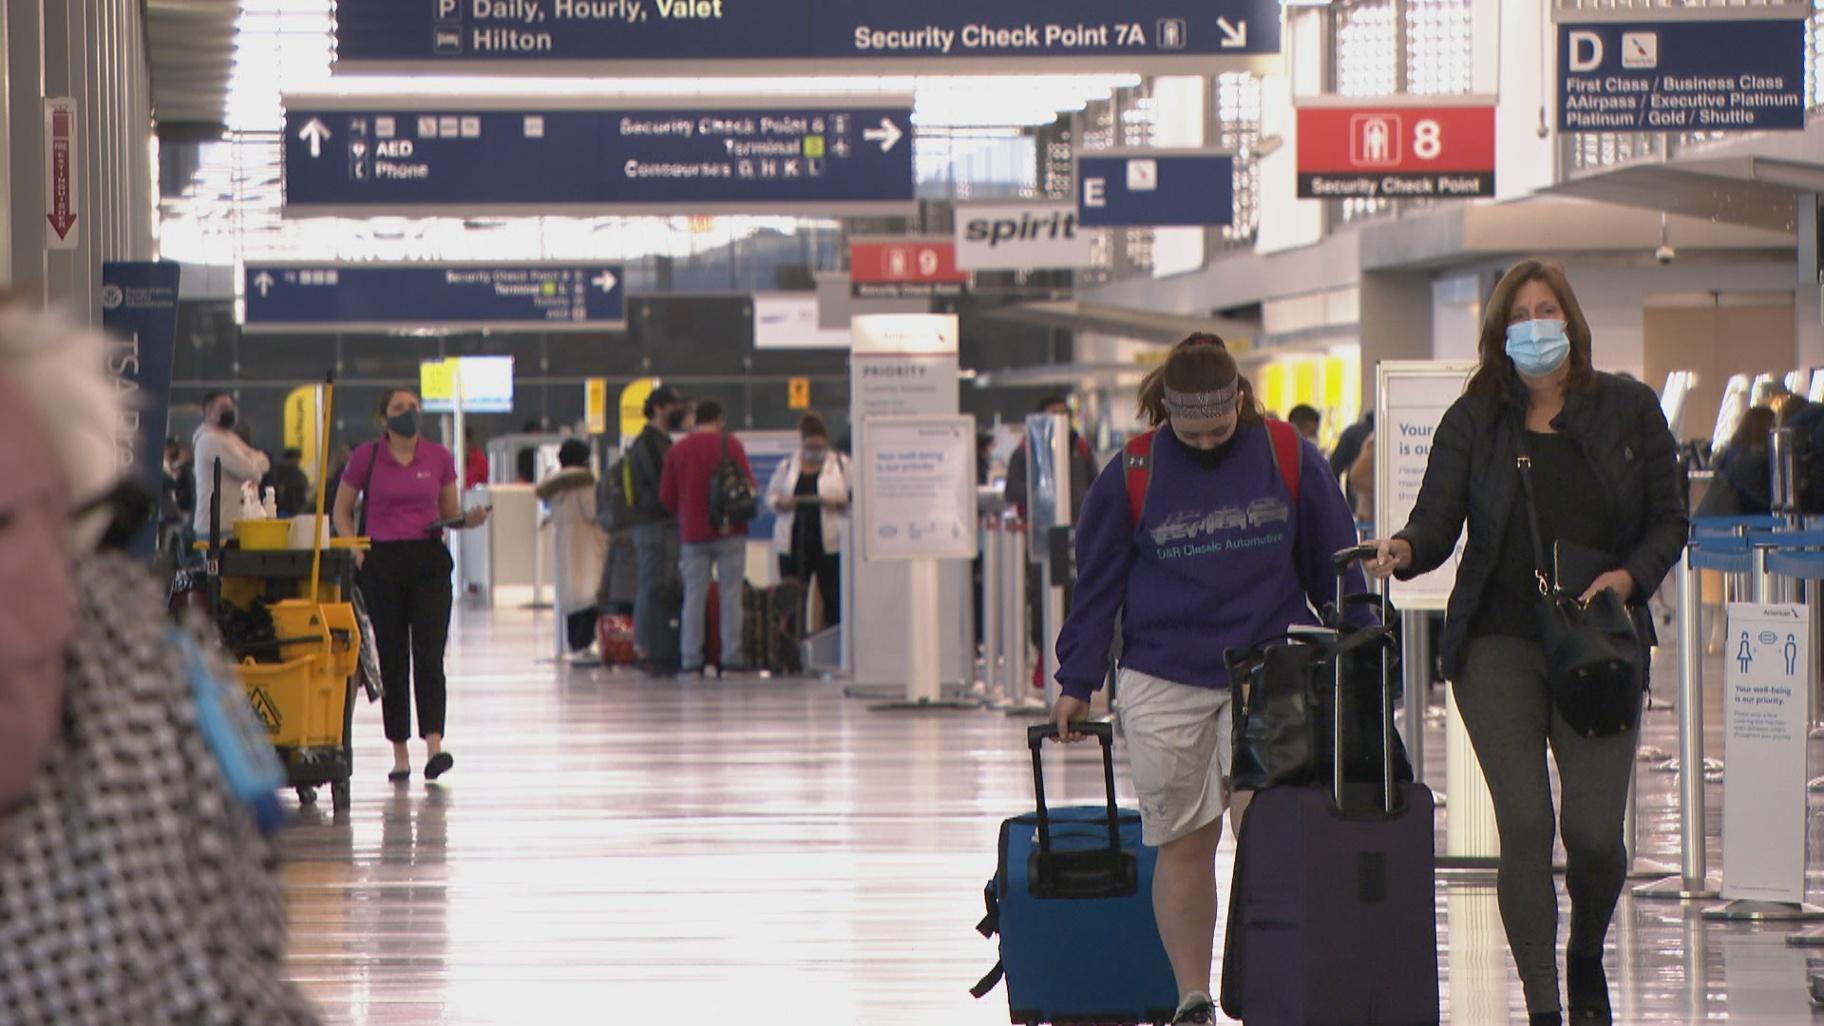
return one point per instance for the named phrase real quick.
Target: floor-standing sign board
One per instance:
(1411, 397)
(1684, 69)
(825, 156)
(804, 37)
(139, 312)
(1155, 188)
(1768, 669)
(384, 297)
(920, 479)
(1400, 147)
(902, 365)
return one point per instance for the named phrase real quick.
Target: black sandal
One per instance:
(440, 764)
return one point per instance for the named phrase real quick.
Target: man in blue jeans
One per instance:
(655, 530)
(684, 488)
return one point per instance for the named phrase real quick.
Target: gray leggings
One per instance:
(1508, 713)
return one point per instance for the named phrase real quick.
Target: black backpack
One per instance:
(614, 502)
(1808, 457)
(731, 496)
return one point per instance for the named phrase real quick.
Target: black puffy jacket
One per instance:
(1471, 475)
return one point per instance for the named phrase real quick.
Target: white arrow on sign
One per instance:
(606, 281)
(263, 282)
(315, 132)
(887, 135)
(1233, 36)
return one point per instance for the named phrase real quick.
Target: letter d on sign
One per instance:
(1095, 192)
(1586, 51)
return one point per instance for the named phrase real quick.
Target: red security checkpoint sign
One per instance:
(1397, 149)
(904, 268)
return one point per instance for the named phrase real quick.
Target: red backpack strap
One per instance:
(1137, 461)
(1288, 449)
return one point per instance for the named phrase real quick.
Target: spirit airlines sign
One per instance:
(1397, 150)
(806, 37)
(1019, 237)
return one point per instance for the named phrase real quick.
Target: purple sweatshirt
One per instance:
(1219, 561)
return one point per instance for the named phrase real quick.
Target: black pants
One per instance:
(407, 588)
(826, 568)
(580, 626)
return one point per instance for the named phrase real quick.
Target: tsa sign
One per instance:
(1395, 149)
(1691, 69)
(905, 268)
(1155, 189)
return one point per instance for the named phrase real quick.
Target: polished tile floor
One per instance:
(616, 850)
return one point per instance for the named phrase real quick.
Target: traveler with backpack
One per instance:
(1214, 531)
(655, 529)
(1568, 479)
(709, 487)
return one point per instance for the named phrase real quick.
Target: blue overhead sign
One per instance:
(392, 297)
(1155, 189)
(1692, 69)
(711, 37)
(416, 156)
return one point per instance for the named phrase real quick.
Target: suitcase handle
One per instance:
(1036, 736)
(1343, 561)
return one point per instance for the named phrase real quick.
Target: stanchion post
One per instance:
(992, 539)
(1415, 642)
(1693, 883)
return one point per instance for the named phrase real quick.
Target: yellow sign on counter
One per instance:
(633, 407)
(301, 428)
(595, 405)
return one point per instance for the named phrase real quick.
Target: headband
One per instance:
(1203, 405)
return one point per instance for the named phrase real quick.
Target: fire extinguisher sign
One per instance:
(1397, 149)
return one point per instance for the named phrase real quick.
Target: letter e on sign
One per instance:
(1095, 192)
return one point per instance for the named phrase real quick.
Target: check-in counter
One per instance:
(503, 553)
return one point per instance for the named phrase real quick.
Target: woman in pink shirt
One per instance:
(408, 488)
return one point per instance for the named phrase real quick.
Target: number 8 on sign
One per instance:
(1427, 140)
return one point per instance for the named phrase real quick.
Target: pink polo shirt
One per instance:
(402, 500)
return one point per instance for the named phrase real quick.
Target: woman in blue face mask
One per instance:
(1606, 486)
(406, 486)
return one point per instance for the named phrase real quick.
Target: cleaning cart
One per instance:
(300, 675)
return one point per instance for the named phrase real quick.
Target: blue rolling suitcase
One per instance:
(1074, 888)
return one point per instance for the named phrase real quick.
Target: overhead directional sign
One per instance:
(415, 155)
(898, 268)
(1397, 147)
(1690, 69)
(391, 297)
(744, 37)
(1155, 188)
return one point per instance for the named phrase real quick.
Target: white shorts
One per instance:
(1179, 746)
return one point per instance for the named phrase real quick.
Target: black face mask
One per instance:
(225, 419)
(405, 425)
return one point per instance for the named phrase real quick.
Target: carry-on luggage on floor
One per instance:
(1332, 917)
(614, 636)
(668, 629)
(1072, 900)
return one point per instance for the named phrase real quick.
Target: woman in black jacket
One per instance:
(1605, 468)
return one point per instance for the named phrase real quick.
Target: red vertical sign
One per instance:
(60, 171)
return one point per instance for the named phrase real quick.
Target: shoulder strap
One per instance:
(1137, 461)
(1524, 461)
(1288, 450)
(367, 487)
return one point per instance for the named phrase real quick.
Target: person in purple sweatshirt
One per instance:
(1222, 557)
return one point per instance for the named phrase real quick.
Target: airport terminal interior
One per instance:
(447, 351)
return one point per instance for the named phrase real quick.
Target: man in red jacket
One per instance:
(684, 489)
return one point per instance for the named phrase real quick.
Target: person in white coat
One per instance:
(809, 495)
(215, 439)
(569, 494)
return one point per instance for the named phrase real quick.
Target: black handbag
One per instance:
(1595, 661)
(1282, 703)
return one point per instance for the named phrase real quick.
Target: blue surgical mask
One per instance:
(1537, 347)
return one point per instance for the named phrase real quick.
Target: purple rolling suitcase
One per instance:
(1332, 917)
